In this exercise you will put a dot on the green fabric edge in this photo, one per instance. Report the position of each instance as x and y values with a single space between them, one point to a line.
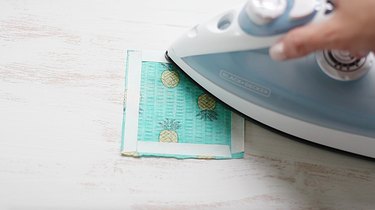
123 105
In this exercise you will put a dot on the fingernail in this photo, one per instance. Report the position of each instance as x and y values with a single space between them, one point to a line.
277 52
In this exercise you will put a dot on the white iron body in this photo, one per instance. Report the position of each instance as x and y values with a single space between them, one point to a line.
327 98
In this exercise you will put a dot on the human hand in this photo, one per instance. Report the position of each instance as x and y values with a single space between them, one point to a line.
351 28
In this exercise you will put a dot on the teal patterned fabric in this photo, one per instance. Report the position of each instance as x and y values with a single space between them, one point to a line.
176 117
174 105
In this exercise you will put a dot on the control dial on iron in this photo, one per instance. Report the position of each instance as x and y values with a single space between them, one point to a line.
302 8
262 12
341 65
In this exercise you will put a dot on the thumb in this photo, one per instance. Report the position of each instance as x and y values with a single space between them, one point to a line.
304 40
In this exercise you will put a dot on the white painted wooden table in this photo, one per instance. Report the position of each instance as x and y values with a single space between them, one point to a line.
61 83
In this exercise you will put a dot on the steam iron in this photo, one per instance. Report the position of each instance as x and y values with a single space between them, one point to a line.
327 97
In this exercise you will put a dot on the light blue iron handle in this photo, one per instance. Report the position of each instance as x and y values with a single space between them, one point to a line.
275 17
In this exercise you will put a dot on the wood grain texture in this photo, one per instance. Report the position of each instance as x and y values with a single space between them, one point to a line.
61 92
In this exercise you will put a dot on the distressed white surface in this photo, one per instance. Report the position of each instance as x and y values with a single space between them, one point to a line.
61 83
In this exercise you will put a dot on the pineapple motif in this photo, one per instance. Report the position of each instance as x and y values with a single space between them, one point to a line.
170 77
169 134
207 105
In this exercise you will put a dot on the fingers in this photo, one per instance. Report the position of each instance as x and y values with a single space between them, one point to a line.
349 29
304 40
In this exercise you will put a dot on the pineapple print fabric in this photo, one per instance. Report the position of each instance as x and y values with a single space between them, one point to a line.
175 117
180 103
